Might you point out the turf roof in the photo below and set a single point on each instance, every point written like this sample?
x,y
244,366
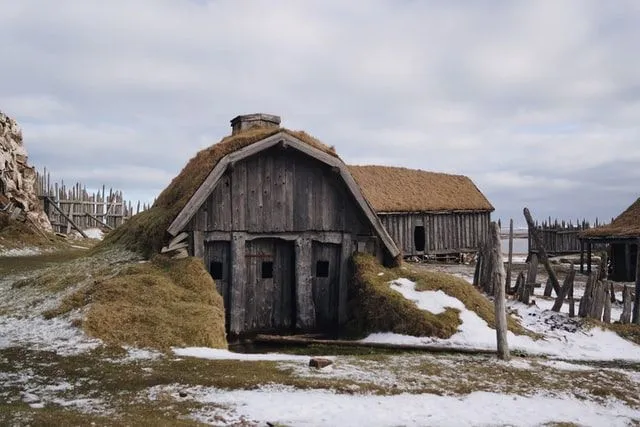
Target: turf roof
x,y
146,232
395,189
625,225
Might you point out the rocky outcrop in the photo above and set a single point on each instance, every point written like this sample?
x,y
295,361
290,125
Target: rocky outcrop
x,y
17,178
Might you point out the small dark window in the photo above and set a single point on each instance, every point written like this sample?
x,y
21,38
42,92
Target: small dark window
x,y
419,238
322,269
216,270
267,270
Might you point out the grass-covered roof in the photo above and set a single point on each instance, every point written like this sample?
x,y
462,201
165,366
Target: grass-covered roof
x,y
146,232
396,189
625,225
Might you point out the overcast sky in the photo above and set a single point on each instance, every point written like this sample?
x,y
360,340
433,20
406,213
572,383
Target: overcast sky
x,y
537,101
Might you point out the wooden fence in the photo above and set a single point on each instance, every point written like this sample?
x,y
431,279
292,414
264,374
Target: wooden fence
x,y
73,207
561,237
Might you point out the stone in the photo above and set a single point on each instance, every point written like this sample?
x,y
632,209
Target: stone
x,y
17,178
319,362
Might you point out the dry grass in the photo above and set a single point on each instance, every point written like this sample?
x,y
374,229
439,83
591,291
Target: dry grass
x,y
16,234
458,288
395,189
146,232
157,304
625,225
375,307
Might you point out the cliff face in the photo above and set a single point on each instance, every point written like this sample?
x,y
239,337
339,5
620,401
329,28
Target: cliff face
x,y
17,178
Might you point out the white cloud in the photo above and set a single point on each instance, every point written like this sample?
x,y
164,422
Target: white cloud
x,y
518,95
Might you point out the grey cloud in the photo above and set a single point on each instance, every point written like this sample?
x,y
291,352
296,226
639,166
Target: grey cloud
x,y
536,101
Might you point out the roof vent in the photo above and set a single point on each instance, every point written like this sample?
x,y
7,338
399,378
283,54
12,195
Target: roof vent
x,y
250,121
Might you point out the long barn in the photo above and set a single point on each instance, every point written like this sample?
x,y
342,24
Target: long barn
x,y
426,213
276,221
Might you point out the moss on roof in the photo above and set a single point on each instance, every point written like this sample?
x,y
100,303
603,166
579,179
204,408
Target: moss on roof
x,y
146,232
625,225
395,189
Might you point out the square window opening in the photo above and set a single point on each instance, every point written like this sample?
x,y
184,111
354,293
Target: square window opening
x,y
216,270
267,269
419,238
322,269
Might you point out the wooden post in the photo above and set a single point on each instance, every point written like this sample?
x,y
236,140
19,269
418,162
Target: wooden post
x,y
589,257
572,305
497,279
568,284
603,270
542,253
606,317
520,282
510,259
636,304
548,288
625,317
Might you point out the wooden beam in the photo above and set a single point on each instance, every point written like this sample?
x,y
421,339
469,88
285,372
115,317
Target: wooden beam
x,y
510,259
73,224
98,221
636,304
497,279
542,252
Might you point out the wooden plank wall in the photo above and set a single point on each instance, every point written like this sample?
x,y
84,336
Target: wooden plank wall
x,y
326,289
280,190
108,206
562,237
444,232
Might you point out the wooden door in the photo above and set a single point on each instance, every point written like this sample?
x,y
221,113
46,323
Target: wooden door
x,y
326,284
218,262
270,288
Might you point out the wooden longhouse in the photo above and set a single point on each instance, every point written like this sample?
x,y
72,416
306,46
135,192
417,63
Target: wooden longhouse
x,y
276,221
426,213
623,238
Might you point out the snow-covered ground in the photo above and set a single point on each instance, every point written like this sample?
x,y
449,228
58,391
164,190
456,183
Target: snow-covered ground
x,y
563,337
324,408
24,327
19,252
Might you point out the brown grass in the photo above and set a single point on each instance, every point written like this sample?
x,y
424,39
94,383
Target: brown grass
x,y
146,232
157,304
395,189
458,288
375,307
16,234
625,225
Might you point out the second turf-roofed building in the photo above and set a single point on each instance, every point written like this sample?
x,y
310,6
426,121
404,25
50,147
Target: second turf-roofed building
x,y
426,213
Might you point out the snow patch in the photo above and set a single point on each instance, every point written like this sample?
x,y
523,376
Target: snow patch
x,y
94,233
281,405
564,337
10,253
55,334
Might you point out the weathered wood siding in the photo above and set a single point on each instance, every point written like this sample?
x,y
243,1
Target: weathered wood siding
x,y
284,207
443,232
326,284
280,190
269,301
220,252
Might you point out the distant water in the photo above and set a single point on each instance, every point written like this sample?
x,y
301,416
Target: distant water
x,y
520,246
